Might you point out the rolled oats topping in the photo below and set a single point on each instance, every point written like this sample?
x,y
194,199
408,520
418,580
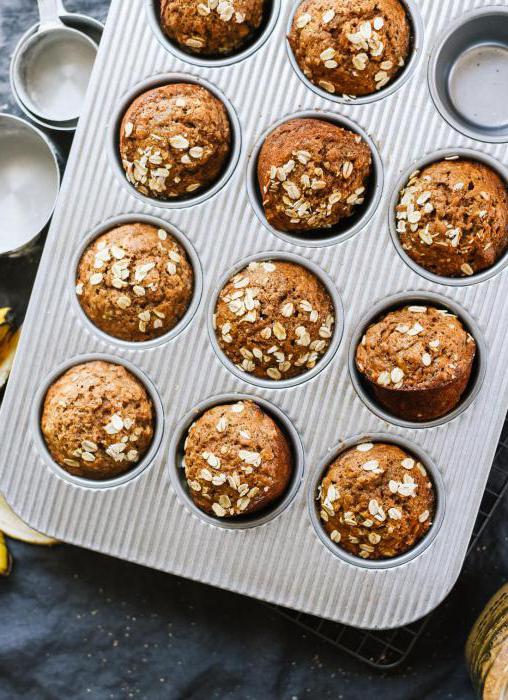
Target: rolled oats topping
x,y
274,319
374,508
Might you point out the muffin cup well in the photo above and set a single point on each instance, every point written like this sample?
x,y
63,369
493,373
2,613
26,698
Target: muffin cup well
x,y
337,334
391,303
416,50
419,547
260,37
177,471
346,228
113,132
193,259
467,71
40,442
444,154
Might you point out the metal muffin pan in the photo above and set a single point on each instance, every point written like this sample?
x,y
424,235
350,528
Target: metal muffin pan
x,y
397,301
270,19
38,437
157,81
341,231
148,520
338,326
416,51
465,153
439,492
468,74
177,471
179,237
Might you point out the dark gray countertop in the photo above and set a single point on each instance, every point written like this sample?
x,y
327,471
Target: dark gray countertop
x,y
75,624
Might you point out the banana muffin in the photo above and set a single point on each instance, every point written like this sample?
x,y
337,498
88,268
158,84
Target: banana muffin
x,y
312,174
274,319
452,217
350,47
174,140
237,460
97,420
376,501
417,361
135,282
211,27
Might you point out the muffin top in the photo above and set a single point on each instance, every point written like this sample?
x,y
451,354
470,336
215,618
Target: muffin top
x,y
237,460
174,140
135,282
350,47
211,27
452,217
376,501
312,174
274,319
416,347
97,420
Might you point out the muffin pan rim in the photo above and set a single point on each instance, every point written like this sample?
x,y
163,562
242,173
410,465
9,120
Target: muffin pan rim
x,y
197,292
159,80
438,46
256,519
339,326
418,164
416,54
211,62
414,449
37,437
305,239
399,300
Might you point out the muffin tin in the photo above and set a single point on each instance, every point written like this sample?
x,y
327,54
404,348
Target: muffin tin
x,y
148,519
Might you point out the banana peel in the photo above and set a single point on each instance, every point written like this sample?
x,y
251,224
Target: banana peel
x,y
5,557
12,526
9,339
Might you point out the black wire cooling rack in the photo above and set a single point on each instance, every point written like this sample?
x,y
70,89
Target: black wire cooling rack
x,y
386,649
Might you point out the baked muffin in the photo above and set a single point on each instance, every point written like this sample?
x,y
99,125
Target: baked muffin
x,y
135,282
312,174
417,361
237,460
376,501
274,320
452,217
174,140
211,27
350,47
97,420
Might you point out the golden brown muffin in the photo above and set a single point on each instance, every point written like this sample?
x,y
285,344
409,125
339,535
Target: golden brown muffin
x,y
174,140
417,361
376,501
135,282
97,420
237,460
211,27
350,47
452,217
274,320
312,174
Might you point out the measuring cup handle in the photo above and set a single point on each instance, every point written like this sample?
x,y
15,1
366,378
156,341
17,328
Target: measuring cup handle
x,y
49,13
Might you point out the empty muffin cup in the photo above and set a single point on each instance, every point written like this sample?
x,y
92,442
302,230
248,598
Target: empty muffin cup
x,y
219,515
453,395
468,74
363,209
417,468
195,53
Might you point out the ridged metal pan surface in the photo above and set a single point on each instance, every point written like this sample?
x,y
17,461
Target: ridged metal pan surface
x,y
144,520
